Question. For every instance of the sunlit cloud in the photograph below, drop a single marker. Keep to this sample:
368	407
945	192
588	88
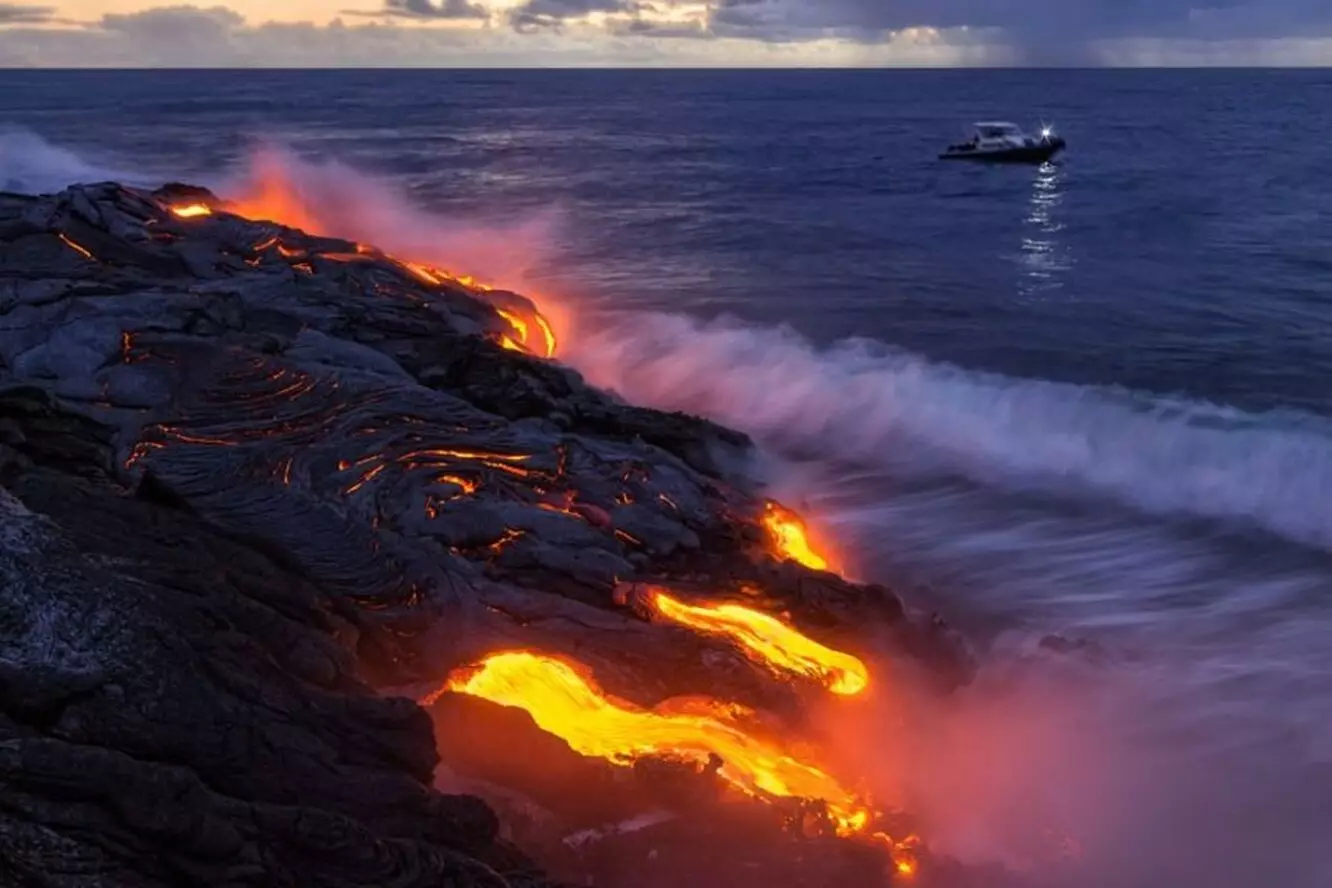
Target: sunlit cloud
687	33
12	14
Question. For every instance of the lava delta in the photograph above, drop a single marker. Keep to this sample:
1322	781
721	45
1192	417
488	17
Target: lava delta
322	569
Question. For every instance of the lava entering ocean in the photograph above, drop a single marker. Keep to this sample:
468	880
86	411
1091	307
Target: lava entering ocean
561	696
565	701
789	535
766	639
273	197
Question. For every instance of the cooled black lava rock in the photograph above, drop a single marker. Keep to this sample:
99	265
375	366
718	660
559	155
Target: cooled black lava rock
248	475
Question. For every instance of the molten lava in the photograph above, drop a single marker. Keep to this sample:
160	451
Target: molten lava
77	247
466	485
271	196
547	333
767	640
191	211
423	273
564	702
522	330
788	535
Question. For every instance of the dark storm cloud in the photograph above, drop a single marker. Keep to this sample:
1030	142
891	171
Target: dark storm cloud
435	9
11	14
536	14
1040	29
639	27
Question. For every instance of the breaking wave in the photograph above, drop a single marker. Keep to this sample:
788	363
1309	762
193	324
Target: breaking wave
30	164
860	403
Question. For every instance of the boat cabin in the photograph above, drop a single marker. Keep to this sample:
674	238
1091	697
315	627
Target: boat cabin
998	130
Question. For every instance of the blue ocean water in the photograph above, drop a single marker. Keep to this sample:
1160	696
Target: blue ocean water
1088	398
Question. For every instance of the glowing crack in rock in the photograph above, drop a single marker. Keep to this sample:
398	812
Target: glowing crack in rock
274	199
78	248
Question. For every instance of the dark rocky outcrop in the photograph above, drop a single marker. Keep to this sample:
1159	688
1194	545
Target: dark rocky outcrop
249	476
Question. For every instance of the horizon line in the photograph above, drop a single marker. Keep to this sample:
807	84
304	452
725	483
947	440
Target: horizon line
659	68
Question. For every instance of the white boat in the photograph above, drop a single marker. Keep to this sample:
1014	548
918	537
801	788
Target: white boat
1000	142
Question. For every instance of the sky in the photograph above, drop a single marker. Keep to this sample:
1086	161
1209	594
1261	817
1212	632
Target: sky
664	33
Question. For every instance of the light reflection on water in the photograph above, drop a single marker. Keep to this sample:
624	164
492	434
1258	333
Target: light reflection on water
1045	257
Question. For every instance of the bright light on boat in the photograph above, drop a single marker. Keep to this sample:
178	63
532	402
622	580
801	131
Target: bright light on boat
1047	132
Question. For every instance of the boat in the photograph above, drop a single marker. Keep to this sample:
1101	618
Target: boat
999	142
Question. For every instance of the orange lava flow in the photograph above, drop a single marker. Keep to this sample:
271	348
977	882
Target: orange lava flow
546	332
437	453
569	704
272	196
522	330
768	640
78	248
466	485
423	274
518	324
788	535
191	211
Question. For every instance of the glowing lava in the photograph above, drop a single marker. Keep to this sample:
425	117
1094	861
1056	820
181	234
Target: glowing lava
76	247
564	702
522	338
191	211
768	640
788	535
271	195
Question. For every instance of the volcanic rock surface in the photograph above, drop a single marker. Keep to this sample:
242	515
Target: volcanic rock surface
255	482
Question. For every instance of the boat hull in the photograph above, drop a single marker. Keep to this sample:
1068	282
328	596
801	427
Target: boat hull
1026	154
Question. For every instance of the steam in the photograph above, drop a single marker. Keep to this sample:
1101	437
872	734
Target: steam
1070	776
328	197
321	196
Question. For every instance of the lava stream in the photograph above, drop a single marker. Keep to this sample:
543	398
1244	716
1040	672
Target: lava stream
568	704
274	200
788	534
190	211
767	639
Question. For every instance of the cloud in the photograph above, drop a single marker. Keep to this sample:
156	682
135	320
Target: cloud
174	22
691	33
434	9
182	36
536	14
1042	30
11	14
642	27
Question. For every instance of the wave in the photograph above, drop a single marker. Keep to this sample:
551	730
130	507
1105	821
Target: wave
864	404
857	402
31	165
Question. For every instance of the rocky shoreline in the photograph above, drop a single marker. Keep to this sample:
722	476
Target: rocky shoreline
260	489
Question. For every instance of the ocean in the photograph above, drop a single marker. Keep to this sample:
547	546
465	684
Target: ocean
1088	399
